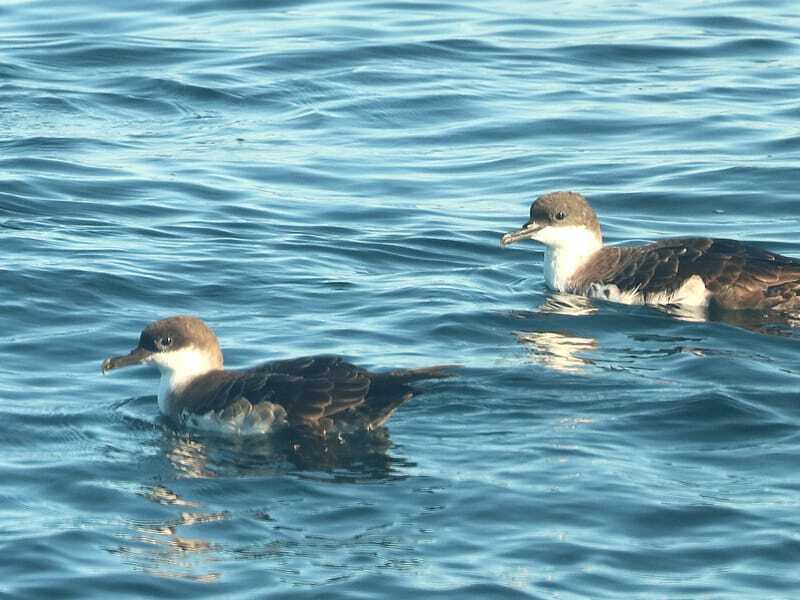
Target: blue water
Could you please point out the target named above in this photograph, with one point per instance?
(335, 177)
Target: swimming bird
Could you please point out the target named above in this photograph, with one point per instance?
(318, 395)
(679, 271)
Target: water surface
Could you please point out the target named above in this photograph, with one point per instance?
(334, 177)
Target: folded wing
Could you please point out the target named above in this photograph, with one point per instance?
(737, 275)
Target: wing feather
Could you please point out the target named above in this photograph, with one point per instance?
(310, 389)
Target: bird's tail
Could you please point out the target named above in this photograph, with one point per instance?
(391, 389)
(401, 376)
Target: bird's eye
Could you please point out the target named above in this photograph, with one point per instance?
(560, 216)
(165, 342)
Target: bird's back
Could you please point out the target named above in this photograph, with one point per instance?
(320, 394)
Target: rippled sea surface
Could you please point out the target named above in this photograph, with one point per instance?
(334, 177)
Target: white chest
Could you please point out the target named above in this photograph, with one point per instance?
(566, 249)
(560, 265)
(178, 369)
(168, 387)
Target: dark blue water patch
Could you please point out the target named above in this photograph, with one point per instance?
(330, 59)
(781, 179)
(754, 47)
(131, 585)
(626, 54)
(397, 111)
(465, 46)
(709, 419)
(59, 52)
(248, 6)
(61, 146)
(784, 145)
(694, 213)
(375, 77)
(135, 103)
(173, 91)
(294, 176)
(744, 94)
(49, 165)
(554, 129)
(730, 23)
(668, 55)
(788, 112)
(9, 72)
(48, 102)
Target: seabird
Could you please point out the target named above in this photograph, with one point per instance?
(316, 395)
(679, 271)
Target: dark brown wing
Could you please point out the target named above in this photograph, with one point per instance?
(311, 389)
(755, 278)
(737, 275)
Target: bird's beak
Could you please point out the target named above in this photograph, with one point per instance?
(529, 230)
(136, 356)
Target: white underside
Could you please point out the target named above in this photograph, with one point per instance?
(692, 293)
(241, 418)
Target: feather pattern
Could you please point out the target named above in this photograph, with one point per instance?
(316, 393)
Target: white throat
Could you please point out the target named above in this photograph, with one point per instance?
(178, 369)
(567, 249)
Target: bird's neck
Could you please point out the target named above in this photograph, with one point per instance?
(563, 259)
(179, 370)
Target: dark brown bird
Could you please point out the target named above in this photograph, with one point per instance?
(680, 271)
(319, 395)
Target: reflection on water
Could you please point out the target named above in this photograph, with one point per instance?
(197, 456)
(360, 455)
(761, 321)
(164, 548)
(161, 548)
(558, 351)
(764, 322)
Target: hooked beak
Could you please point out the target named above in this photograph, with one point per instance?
(137, 355)
(530, 229)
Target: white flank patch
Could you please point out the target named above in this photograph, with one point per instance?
(692, 293)
(241, 418)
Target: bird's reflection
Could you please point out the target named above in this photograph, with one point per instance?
(571, 352)
(162, 548)
(766, 322)
(175, 547)
(558, 351)
(356, 456)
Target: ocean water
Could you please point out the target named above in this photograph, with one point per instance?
(334, 177)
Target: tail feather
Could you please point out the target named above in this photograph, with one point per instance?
(390, 389)
(400, 376)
